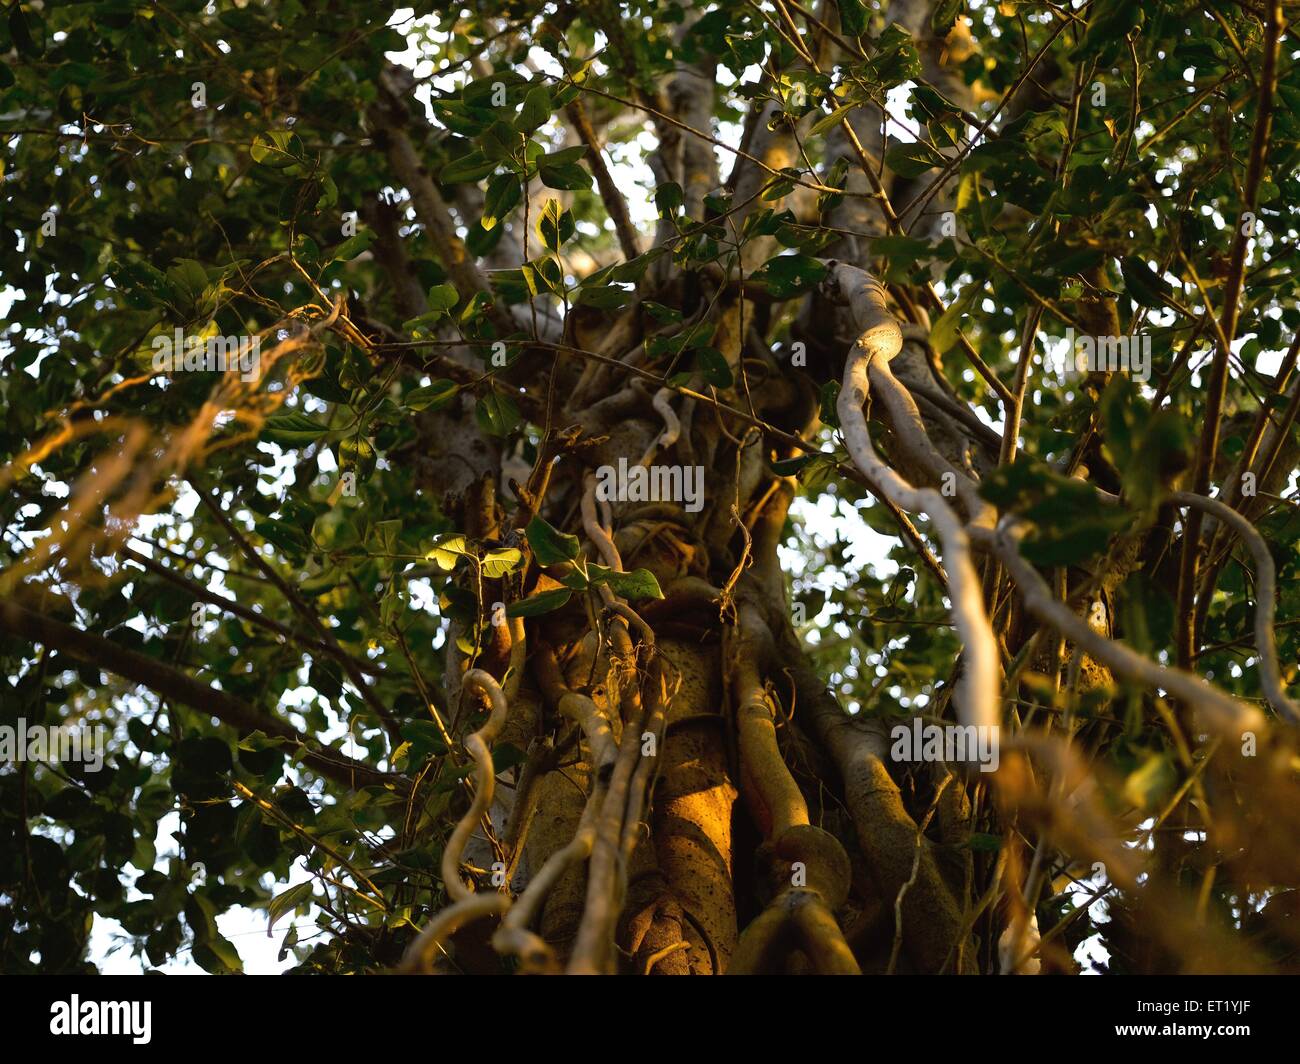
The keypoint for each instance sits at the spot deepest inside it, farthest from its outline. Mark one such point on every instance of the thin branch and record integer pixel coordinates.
(232, 607)
(1218, 379)
(1265, 598)
(175, 685)
(615, 204)
(1223, 712)
(305, 611)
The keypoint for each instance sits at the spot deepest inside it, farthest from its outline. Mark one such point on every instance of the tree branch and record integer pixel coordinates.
(1218, 380)
(615, 204)
(1265, 598)
(980, 683)
(1224, 713)
(171, 683)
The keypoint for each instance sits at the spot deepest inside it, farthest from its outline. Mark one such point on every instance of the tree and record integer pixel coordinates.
(400, 458)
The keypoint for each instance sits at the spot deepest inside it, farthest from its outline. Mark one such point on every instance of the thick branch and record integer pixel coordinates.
(978, 701)
(175, 685)
(1224, 713)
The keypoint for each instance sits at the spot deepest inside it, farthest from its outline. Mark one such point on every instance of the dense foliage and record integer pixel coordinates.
(444, 226)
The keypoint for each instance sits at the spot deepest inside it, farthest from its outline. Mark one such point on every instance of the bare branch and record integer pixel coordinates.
(980, 682)
(1265, 598)
(1223, 712)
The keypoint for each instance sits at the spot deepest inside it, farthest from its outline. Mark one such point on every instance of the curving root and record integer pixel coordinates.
(672, 426)
(807, 867)
(1265, 599)
(979, 687)
(466, 905)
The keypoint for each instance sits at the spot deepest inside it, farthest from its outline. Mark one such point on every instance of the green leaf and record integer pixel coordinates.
(293, 429)
(790, 275)
(503, 194)
(497, 413)
(945, 14)
(576, 578)
(205, 755)
(1147, 447)
(536, 605)
(668, 197)
(469, 167)
(830, 395)
(638, 584)
(788, 467)
(1071, 524)
(929, 103)
(833, 119)
(258, 740)
(780, 184)
(423, 739)
(286, 901)
(499, 561)
(277, 148)
(895, 61)
(1152, 781)
(983, 842)
(943, 333)
(443, 297)
(1146, 614)
(1108, 27)
(912, 160)
(1146, 286)
(905, 249)
(499, 142)
(356, 454)
(536, 110)
(27, 31)
(898, 588)
(353, 246)
(425, 324)
(448, 550)
(554, 225)
(571, 177)
(475, 307)
(853, 17)
(283, 535)
(387, 533)
(506, 756)
(431, 397)
(610, 297)
(837, 176)
(187, 280)
(549, 545)
(562, 157)
(713, 367)
(660, 313)
(217, 956)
